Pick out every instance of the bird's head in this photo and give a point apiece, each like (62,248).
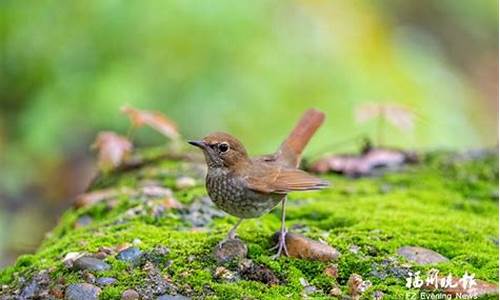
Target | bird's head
(222,150)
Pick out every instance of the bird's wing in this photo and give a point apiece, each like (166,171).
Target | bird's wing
(281,180)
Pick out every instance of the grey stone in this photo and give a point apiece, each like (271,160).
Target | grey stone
(131,255)
(91,264)
(173,297)
(130,295)
(229,250)
(82,291)
(421,256)
(106,281)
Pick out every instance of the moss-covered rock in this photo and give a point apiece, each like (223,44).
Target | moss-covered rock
(448,204)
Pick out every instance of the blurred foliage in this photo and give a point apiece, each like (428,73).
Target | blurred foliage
(250,68)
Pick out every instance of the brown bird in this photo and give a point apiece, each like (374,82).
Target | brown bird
(250,187)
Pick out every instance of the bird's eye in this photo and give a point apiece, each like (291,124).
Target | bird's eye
(223,147)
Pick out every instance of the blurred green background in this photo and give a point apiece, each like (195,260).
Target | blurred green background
(247,67)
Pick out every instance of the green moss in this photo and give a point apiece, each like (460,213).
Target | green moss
(445,204)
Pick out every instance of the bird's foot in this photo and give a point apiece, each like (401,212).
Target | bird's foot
(281,245)
(221,243)
(229,237)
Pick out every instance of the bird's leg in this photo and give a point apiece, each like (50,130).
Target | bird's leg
(231,235)
(281,246)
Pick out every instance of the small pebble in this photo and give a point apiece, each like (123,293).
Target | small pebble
(57,291)
(37,287)
(229,250)
(335,291)
(161,250)
(83,221)
(332,271)
(222,273)
(90,263)
(378,295)
(357,285)
(106,250)
(245,264)
(308,289)
(354,249)
(131,255)
(30,291)
(158,256)
(100,255)
(106,281)
(88,277)
(130,295)
(421,256)
(303,282)
(173,297)
(70,258)
(82,291)
(251,271)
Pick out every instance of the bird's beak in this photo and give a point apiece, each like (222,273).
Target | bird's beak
(199,144)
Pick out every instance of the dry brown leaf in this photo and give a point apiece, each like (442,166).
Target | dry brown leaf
(112,149)
(365,163)
(154,119)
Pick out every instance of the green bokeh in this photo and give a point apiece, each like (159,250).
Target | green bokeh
(249,68)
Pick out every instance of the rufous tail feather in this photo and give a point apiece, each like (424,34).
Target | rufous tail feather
(291,149)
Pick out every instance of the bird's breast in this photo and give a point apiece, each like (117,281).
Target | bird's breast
(230,194)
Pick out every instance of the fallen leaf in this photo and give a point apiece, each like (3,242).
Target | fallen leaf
(363,164)
(301,247)
(386,158)
(112,150)
(154,119)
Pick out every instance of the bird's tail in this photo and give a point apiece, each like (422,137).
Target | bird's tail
(291,149)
